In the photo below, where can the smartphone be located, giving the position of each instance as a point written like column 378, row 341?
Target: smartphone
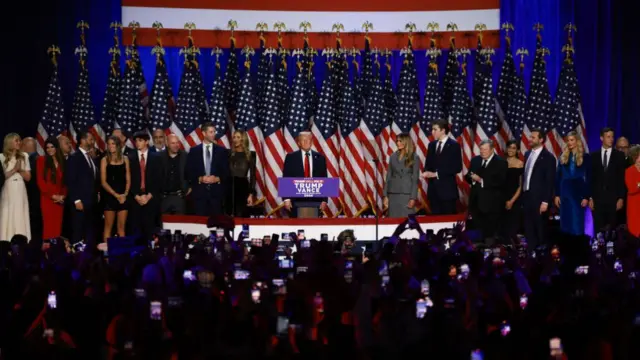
column 505, row 328
column 421, row 308
column 348, row 264
column 286, row 237
column 140, row 293
column 278, row 286
column 220, row 234
column 464, row 271
column 174, row 301
column 187, row 275
column 79, row 246
column 305, row 244
column 245, row 231
column 385, row 280
column 610, row 248
column 324, row 237
column 156, row 310
column 582, row 270
column 256, row 242
column 424, row 287
column 555, row 347
column 240, row 274
column 282, row 326
column 301, row 269
column 301, row 234
column 524, row 301
column 286, row 263
column 477, row 355
column 617, row 266
column 52, row 300
column 255, row 296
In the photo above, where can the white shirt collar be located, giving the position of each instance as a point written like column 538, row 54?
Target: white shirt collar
column 607, row 150
column 537, row 151
column 83, row 151
column 489, row 159
column 140, row 152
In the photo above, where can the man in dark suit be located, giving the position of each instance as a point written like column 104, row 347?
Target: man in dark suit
column 208, row 173
column 159, row 141
column 82, row 178
column 126, row 151
column 487, row 175
column 622, row 145
column 442, row 165
column 537, row 188
column 304, row 163
column 175, row 187
column 145, row 191
column 33, row 192
column 608, row 190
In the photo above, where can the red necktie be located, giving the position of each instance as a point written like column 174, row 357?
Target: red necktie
column 143, row 167
column 307, row 166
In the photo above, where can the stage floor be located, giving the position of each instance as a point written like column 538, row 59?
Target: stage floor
column 364, row 228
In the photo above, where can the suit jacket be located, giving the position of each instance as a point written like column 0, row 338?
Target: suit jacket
column 401, row 179
column 608, row 185
column 490, row 195
column 153, row 174
column 543, row 177
column 182, row 165
column 80, row 181
column 153, row 149
column 447, row 164
column 294, row 167
column 219, row 167
column 33, row 192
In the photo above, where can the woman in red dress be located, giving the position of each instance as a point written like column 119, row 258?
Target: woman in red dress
column 50, row 172
column 632, row 179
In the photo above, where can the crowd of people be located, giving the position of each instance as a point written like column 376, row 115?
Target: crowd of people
column 214, row 297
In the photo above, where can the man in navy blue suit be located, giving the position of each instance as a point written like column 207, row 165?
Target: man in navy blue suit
column 305, row 163
column 83, row 183
column 207, row 172
column 146, row 177
column 442, row 165
column 537, row 188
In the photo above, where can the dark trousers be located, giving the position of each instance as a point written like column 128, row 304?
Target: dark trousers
column 207, row 206
column 442, row 207
column 534, row 222
column 604, row 214
column 83, row 225
column 487, row 223
column 143, row 221
column 173, row 205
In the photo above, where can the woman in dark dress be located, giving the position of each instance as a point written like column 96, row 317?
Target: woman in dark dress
column 115, row 177
column 243, row 175
column 513, row 190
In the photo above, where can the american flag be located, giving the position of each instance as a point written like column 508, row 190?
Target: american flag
column 112, row 93
column 540, row 111
column 308, row 61
column 450, row 76
column 297, row 120
column 52, row 122
column 326, row 139
column 387, row 136
column 232, row 80
column 219, row 114
column 82, row 112
column 487, row 119
column 283, row 92
column 192, row 108
column 506, row 87
column 352, row 178
column 568, row 110
column 432, row 111
column 264, row 69
column 371, row 127
column 131, row 112
column 460, row 115
column 273, row 146
column 478, row 75
column 247, row 120
column 162, row 107
column 517, row 109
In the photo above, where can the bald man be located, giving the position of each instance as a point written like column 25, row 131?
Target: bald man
column 174, row 185
column 28, row 145
column 65, row 146
column 623, row 145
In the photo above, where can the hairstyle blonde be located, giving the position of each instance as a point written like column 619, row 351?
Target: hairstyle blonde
column 245, row 143
column 409, row 149
column 578, row 151
column 634, row 152
column 7, row 148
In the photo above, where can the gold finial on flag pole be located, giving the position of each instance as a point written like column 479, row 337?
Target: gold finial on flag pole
column 247, row 51
column 262, row 27
column 279, row 26
column 53, row 51
column 232, row 25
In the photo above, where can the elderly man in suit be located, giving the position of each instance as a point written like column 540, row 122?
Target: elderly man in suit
column 487, row 175
column 305, row 163
column 207, row 172
column 442, row 165
column 83, row 181
column 537, row 188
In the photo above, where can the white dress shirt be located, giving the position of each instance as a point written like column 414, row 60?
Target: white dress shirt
column 485, row 165
column 204, row 154
column 146, row 157
column 90, row 162
column 310, row 160
column 608, row 155
column 533, row 157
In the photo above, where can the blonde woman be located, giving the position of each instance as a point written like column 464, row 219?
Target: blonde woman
column 242, row 163
column 401, row 185
column 14, row 205
column 573, row 181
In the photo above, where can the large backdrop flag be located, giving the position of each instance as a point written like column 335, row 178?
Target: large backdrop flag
column 53, row 121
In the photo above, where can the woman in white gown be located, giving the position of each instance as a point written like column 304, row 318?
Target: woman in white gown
column 14, row 205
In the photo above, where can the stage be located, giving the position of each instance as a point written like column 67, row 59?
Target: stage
column 364, row 228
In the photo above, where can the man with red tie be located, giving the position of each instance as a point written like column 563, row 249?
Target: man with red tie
column 146, row 177
column 305, row 163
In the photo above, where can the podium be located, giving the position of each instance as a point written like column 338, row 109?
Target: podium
column 305, row 193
